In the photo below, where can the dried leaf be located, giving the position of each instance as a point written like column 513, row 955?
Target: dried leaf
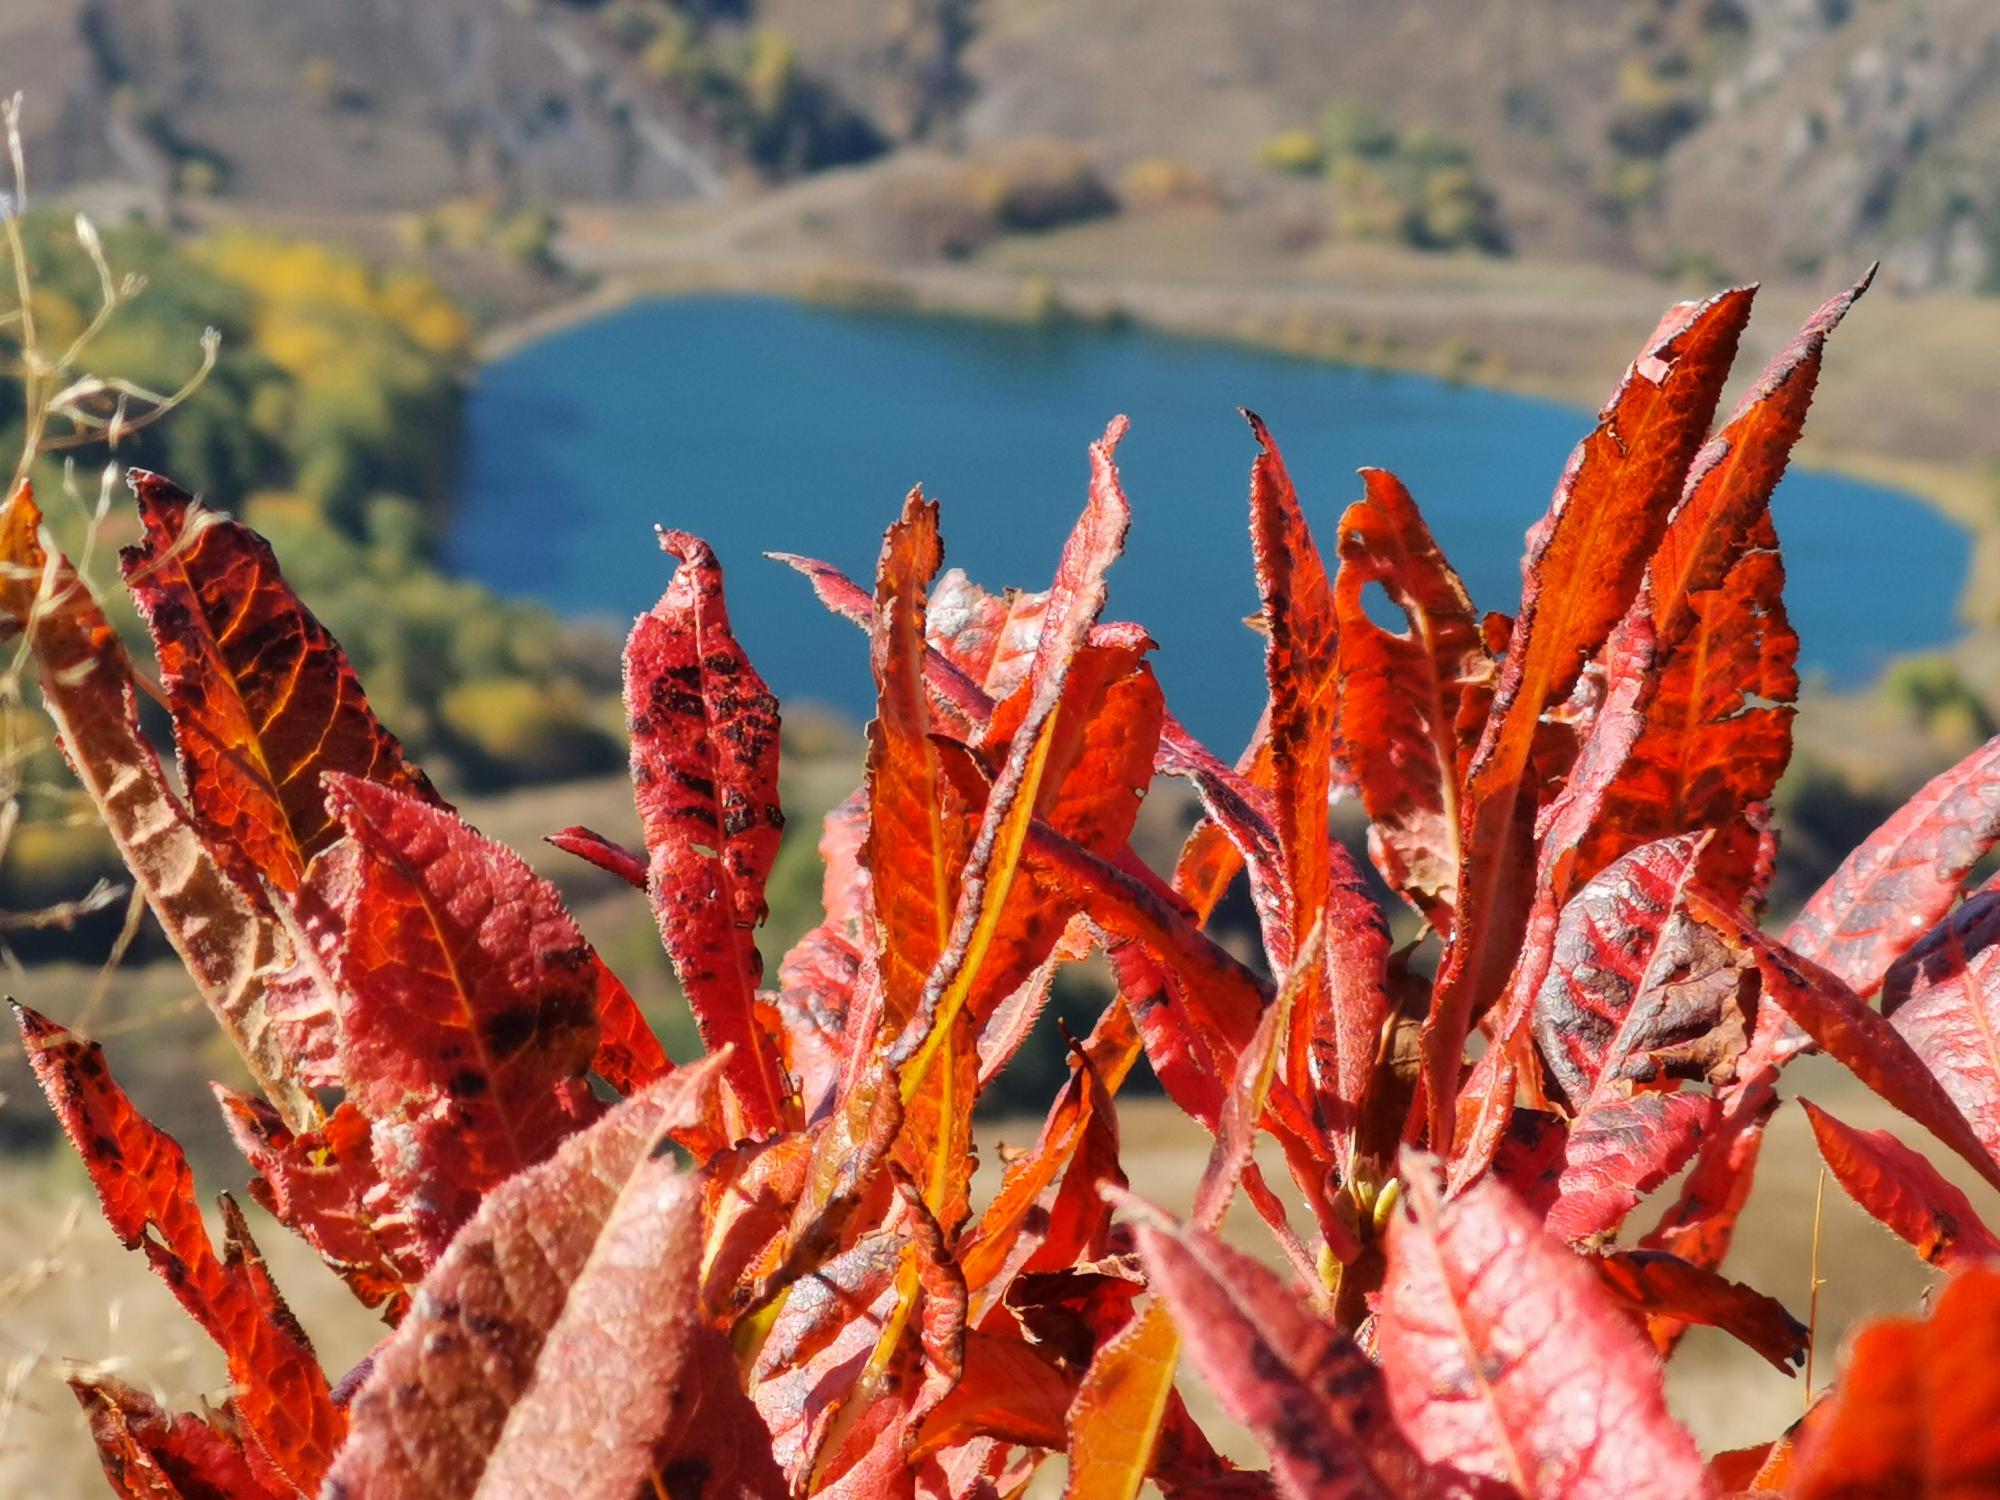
column 1638, row 994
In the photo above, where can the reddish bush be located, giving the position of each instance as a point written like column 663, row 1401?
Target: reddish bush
column 763, row 1274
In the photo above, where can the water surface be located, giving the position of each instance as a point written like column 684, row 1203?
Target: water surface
column 765, row 425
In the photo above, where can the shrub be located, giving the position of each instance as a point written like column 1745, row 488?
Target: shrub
column 762, row 1274
column 1039, row 185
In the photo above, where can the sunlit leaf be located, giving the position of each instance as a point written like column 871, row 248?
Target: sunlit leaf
column 705, row 773
column 264, row 700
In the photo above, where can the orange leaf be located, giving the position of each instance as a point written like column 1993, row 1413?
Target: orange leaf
column 1115, row 1421
column 1903, row 1191
column 146, row 1189
column 1663, row 1289
column 264, row 701
column 1916, row 1412
column 1584, row 565
column 918, row 828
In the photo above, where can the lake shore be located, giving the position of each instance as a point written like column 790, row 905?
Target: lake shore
column 1906, row 401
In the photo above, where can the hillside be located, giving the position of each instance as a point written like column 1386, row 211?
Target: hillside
column 1642, row 132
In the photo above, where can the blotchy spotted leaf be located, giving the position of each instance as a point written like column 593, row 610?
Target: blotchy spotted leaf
column 1313, row 1399
column 233, row 950
column 1506, row 1360
column 1401, row 693
column 472, row 1011
column 559, row 1345
column 1904, row 1192
column 1584, row 565
column 146, row 1190
column 264, row 701
column 1904, row 877
column 1915, row 1414
column 705, row 773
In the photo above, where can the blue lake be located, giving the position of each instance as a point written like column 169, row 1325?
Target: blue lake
column 765, row 425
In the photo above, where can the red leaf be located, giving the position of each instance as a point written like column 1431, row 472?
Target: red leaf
column 1076, row 600
column 1009, row 1390
column 559, row 1345
column 1730, row 482
column 150, row 1454
column 1312, row 1398
column 1718, row 722
column 1701, row 1223
column 991, row 638
column 233, row 948
column 1506, row 1359
column 594, row 848
column 1853, row 1035
column 1401, row 693
column 1916, row 1412
column 1667, row 1292
column 264, row 700
column 146, row 1189
column 1302, row 665
column 324, row 1185
column 1055, row 1183
column 1904, row 877
column 919, row 828
column 1944, row 996
column 1637, row 994
column 1904, row 1192
column 705, row 773
column 473, row 1003
column 1584, row 564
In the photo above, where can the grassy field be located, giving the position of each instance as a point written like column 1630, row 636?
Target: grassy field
column 68, row 1292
